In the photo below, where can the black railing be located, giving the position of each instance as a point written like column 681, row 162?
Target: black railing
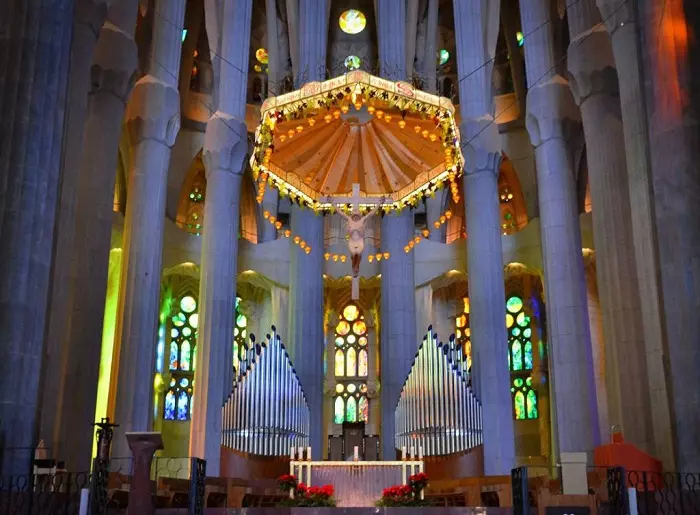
column 198, row 475
column 521, row 503
column 670, row 493
column 57, row 493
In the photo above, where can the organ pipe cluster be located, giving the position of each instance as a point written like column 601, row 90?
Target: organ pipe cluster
column 437, row 409
column 267, row 412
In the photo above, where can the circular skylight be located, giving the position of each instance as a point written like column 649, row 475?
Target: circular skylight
column 352, row 62
column 352, row 21
column 443, row 56
column 261, row 55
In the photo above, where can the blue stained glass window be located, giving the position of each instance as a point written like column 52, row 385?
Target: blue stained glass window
column 169, row 406
column 160, row 349
column 528, row 355
column 185, row 359
column 517, row 355
column 173, row 356
column 182, row 406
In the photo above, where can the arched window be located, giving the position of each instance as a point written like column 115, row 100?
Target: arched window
column 351, row 363
column 520, row 359
column 240, row 333
column 181, row 329
column 463, row 332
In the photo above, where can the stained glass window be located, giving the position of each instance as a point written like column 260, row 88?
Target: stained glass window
column 352, row 62
column 443, row 56
column 463, row 332
column 524, row 399
column 352, row 21
column 363, row 407
column 181, row 358
column 520, row 359
column 160, row 349
column 240, row 333
column 351, row 360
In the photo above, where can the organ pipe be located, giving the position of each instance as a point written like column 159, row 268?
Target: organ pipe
column 437, row 409
column 266, row 412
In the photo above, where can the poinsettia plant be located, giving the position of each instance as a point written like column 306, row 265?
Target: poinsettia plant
column 306, row 496
column 405, row 495
column 287, row 482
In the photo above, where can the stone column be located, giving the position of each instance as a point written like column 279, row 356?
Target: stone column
column 306, row 316
column 268, row 231
column 411, row 30
column 622, row 27
column 330, row 427
column 225, row 150
column 399, row 340
column 593, row 81
column 306, row 280
column 375, row 413
column 152, row 121
column 112, row 77
column 552, row 119
column 434, row 209
column 279, row 307
column 430, row 56
column 391, row 30
column 35, row 41
column 481, row 148
column 89, row 17
column 273, row 48
column 424, row 311
column 669, row 48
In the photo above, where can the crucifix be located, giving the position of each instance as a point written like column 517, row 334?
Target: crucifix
column 355, row 226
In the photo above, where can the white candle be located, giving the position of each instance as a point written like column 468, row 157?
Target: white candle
column 291, row 455
column 420, row 452
column 403, row 452
column 301, row 453
column 357, row 453
column 413, row 452
column 308, row 453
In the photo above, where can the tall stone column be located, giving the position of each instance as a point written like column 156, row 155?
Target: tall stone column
column 306, row 316
column 391, row 28
column 622, row 27
column 35, row 40
column 430, row 56
column 399, row 339
column 593, row 81
column 89, row 17
column 268, row 232
column 434, row 209
column 481, row 148
column 112, row 77
column 306, row 280
column 152, row 121
column 552, row 119
column 225, row 150
column 670, row 47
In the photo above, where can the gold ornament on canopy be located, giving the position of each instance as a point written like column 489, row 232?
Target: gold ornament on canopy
column 321, row 163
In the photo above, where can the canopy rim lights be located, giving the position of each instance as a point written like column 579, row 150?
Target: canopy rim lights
column 355, row 89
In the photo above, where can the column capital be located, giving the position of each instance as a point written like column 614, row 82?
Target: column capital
column 153, row 112
column 591, row 65
column 115, row 63
column 615, row 13
column 91, row 14
column 372, row 389
column 551, row 111
column 225, row 143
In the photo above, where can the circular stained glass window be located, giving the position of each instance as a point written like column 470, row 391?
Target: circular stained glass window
column 362, row 341
column 351, row 312
column 261, row 55
column 241, row 321
column 363, row 388
column 194, row 320
column 339, row 388
column 462, row 321
column 179, row 320
column 515, row 331
column 339, row 341
column 514, row 304
column 527, row 332
column 351, row 388
column 523, row 320
column 359, row 328
column 351, row 339
column 352, row 21
column 186, row 331
column 174, row 333
column 342, row 328
column 352, row 62
column 509, row 320
column 184, row 382
column 443, row 56
column 188, row 304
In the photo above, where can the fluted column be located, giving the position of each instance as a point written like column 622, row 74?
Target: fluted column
column 434, row 209
column 593, row 81
column 399, row 339
column 112, row 77
column 552, row 119
column 475, row 37
column 622, row 27
column 306, row 316
column 374, row 410
column 225, row 150
column 313, row 41
column 430, row 56
column 35, row 40
column 89, row 17
column 669, row 47
column 391, row 31
column 152, row 121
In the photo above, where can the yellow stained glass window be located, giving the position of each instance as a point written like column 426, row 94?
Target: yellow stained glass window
column 359, row 327
column 339, row 363
column 362, row 364
column 261, row 55
column 352, row 21
column 342, row 328
column 351, row 365
column 509, row 320
column 351, row 312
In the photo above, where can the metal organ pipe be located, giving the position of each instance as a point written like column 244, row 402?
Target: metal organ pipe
column 266, row 412
column 437, row 409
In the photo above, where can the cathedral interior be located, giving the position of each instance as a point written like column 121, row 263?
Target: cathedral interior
column 175, row 178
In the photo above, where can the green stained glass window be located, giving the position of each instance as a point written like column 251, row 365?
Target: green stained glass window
column 528, row 355
column 179, row 320
column 519, row 404
column 194, row 320
column 532, row 404
column 527, row 332
column 517, row 350
column 514, row 305
column 351, row 410
column 188, row 304
column 173, row 356
column 515, row 331
column 339, row 411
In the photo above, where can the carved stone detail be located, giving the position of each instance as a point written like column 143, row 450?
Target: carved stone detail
column 592, row 66
column 153, row 112
column 225, row 143
column 615, row 13
column 115, row 63
column 552, row 112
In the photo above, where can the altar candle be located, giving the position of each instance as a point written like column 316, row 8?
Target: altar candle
column 420, row 452
column 308, row 453
column 301, row 453
column 403, row 453
column 291, row 455
column 357, row 453
column 413, row 453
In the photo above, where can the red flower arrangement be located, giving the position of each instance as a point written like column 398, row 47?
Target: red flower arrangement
column 306, row 495
column 405, row 495
column 287, row 482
